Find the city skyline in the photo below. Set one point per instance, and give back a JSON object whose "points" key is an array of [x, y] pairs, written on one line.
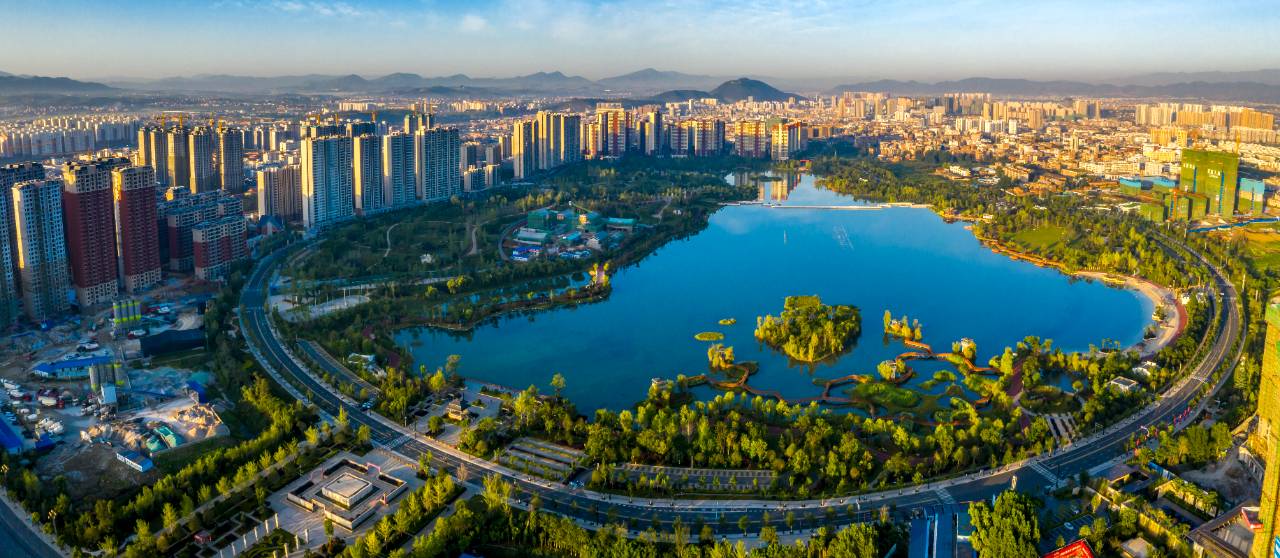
{"points": [[151, 40]]}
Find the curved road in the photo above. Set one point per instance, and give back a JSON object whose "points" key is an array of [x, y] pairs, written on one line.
{"points": [[588, 507]]}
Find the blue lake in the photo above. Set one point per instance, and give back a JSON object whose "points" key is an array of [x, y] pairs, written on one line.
{"points": [[750, 258]]}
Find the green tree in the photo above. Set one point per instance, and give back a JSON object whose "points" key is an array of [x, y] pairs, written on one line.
{"points": [[1010, 529], [557, 383], [859, 539], [341, 421], [170, 516], [496, 493]]}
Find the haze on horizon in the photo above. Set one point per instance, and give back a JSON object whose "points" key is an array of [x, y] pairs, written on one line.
{"points": [[908, 39]]}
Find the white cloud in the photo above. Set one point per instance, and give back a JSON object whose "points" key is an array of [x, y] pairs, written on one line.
{"points": [[325, 9], [290, 6], [473, 23]]}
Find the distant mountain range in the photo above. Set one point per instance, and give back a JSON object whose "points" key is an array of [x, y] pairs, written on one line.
{"points": [[541, 82], [651, 85], [730, 91], [650, 79], [27, 85], [1266, 76], [1233, 91]]}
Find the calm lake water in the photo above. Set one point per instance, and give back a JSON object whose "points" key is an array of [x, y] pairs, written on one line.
{"points": [[747, 261]]}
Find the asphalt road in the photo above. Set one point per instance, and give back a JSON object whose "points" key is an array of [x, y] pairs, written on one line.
{"points": [[588, 507], [17, 538]]}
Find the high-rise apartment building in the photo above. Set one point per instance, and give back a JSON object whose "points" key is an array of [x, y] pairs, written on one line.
{"points": [[366, 160], [651, 132], [399, 175], [491, 174], [613, 126], [1267, 437], [327, 181], [415, 121], [523, 141], [1214, 175], [89, 217], [547, 141], [280, 192], [569, 148], [183, 212], [134, 190], [547, 138], [787, 138], [230, 159], [437, 152], [320, 130], [178, 172], [357, 129], [470, 156], [41, 248], [751, 139], [708, 137], [10, 175], [153, 151], [216, 245], [202, 146]]}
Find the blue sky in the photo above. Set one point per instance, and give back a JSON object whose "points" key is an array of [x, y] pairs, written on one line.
{"points": [[1080, 39]]}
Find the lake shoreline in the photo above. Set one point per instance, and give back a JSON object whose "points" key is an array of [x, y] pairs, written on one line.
{"points": [[551, 352], [1159, 295]]}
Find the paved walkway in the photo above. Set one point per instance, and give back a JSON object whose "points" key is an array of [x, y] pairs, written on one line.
{"points": [[19, 537]]}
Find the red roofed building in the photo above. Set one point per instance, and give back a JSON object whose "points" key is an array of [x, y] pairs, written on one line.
{"points": [[1078, 549]]}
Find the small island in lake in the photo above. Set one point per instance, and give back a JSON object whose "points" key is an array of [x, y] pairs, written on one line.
{"points": [[808, 330]]}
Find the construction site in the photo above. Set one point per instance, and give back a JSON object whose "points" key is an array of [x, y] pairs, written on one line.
{"points": [[101, 398]]}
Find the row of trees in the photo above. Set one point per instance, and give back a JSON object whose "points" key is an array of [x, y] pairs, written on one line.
{"points": [[410, 516], [487, 526]]}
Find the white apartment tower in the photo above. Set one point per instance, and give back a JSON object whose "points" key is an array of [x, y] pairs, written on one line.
{"points": [[523, 135], [202, 146], [366, 157], [438, 152], [399, 176], [327, 181], [41, 248], [231, 160]]}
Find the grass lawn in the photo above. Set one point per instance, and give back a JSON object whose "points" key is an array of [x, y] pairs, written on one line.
{"points": [[194, 359], [886, 395], [1263, 242], [172, 460], [1049, 399], [1042, 238]]}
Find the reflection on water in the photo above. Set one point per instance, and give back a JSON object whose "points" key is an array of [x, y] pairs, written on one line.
{"points": [[748, 260]]}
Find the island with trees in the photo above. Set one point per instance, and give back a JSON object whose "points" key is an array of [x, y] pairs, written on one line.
{"points": [[810, 331]]}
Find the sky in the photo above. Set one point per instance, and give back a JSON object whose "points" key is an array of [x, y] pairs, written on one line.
{"points": [[866, 39]]}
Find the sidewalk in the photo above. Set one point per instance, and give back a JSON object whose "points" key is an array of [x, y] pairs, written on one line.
{"points": [[25, 519]]}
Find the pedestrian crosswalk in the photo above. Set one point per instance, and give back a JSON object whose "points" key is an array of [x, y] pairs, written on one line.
{"points": [[398, 441], [1045, 472], [944, 496]]}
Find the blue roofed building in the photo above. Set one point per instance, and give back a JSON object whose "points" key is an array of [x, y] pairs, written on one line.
{"points": [[73, 369], [135, 460], [10, 439], [943, 532]]}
